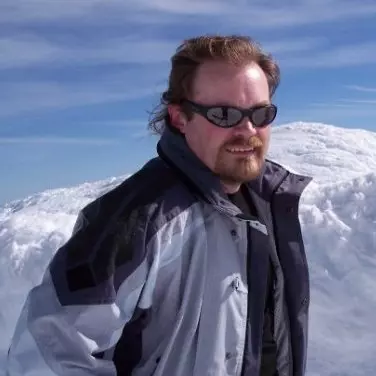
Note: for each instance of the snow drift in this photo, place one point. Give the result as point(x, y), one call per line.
point(338, 215)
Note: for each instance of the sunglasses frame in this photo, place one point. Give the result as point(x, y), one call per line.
point(203, 110)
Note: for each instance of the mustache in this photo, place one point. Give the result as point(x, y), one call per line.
point(253, 142)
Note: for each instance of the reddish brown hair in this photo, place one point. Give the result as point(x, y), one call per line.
point(193, 52)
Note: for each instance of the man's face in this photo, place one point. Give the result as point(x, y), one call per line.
point(235, 154)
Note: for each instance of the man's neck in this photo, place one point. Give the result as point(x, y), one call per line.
point(230, 188)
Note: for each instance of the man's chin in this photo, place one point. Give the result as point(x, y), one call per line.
point(251, 171)
point(241, 170)
point(240, 177)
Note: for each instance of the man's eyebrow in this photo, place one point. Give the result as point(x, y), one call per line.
point(256, 104)
point(220, 103)
point(261, 103)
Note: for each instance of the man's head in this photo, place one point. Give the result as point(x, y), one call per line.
point(211, 79)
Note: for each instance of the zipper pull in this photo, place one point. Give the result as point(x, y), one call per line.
point(236, 284)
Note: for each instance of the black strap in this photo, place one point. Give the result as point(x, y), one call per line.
point(269, 347)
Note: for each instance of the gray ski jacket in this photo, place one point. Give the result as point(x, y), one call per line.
point(164, 276)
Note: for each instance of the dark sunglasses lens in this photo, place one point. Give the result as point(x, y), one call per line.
point(263, 116)
point(224, 117)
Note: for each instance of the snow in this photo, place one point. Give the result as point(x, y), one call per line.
point(338, 218)
point(326, 152)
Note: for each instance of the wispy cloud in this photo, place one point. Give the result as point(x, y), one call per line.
point(22, 51)
point(125, 123)
point(32, 50)
point(344, 103)
point(359, 101)
point(31, 96)
point(363, 89)
point(336, 57)
point(339, 113)
point(99, 33)
point(267, 14)
point(57, 140)
point(142, 135)
point(331, 105)
point(292, 14)
point(135, 81)
point(297, 45)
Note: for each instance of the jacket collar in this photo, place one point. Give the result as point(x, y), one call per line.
point(174, 150)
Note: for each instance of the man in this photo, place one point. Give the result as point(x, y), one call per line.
point(195, 265)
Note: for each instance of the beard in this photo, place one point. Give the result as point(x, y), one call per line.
point(237, 169)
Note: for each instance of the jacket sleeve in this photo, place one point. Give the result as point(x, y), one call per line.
point(90, 290)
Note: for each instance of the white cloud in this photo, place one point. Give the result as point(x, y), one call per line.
point(125, 123)
point(183, 7)
point(339, 113)
point(143, 134)
point(57, 140)
point(336, 57)
point(350, 104)
point(31, 96)
point(25, 51)
point(308, 12)
point(359, 101)
point(364, 89)
point(151, 48)
point(298, 44)
point(151, 56)
point(31, 50)
point(331, 105)
point(41, 10)
point(266, 14)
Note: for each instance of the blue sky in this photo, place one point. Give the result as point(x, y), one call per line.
point(77, 78)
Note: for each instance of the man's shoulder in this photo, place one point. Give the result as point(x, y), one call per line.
point(117, 220)
point(152, 187)
point(143, 187)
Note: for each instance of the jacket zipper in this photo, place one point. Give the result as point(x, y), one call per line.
point(248, 298)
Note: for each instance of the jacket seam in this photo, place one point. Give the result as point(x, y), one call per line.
point(276, 240)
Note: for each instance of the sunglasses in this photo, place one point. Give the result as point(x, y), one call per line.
point(229, 116)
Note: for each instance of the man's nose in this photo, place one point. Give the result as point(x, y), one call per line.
point(246, 127)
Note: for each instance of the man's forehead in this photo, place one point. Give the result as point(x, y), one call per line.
point(222, 83)
point(226, 68)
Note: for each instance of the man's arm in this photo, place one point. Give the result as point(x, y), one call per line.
point(79, 310)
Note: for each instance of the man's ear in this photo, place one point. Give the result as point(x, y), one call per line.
point(177, 117)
